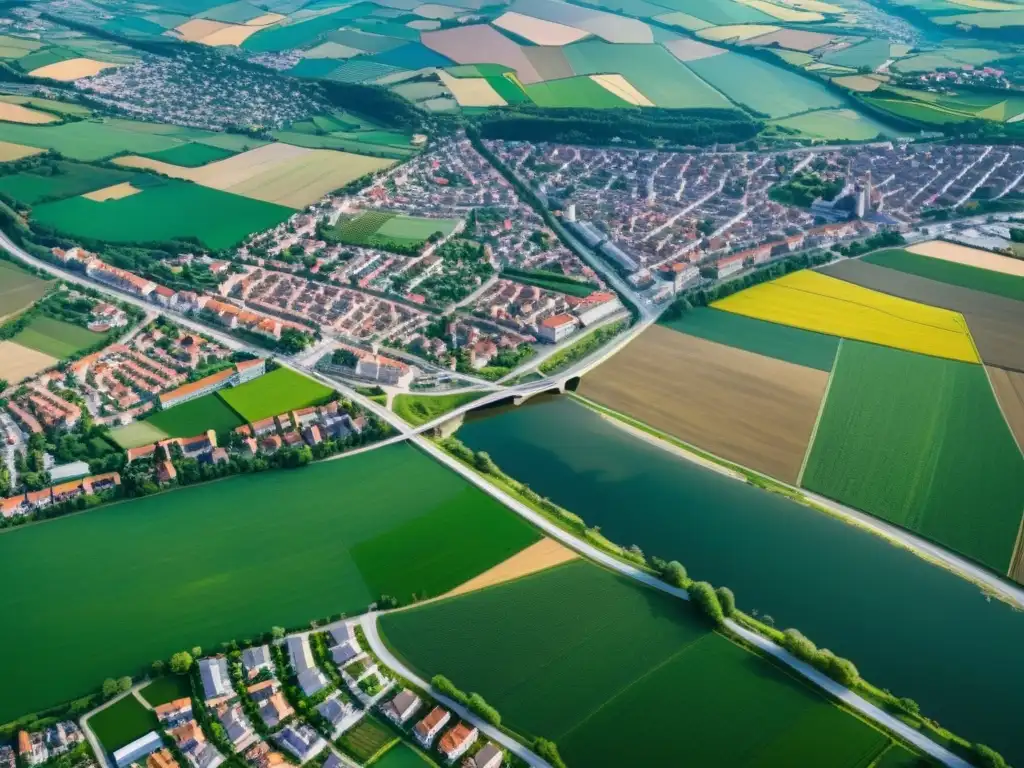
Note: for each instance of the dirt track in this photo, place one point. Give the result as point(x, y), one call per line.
point(995, 322)
point(754, 410)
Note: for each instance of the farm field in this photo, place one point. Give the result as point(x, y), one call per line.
point(55, 337)
point(355, 535)
point(1009, 389)
point(379, 229)
point(545, 554)
point(18, 289)
point(191, 155)
point(835, 125)
point(196, 417)
point(574, 92)
point(754, 410)
point(165, 689)
point(366, 738)
point(16, 113)
point(217, 219)
point(10, 152)
point(419, 409)
point(783, 342)
point(588, 656)
point(47, 105)
point(988, 279)
point(273, 393)
point(816, 302)
point(122, 722)
point(136, 434)
point(275, 173)
point(929, 434)
point(71, 179)
point(994, 322)
point(404, 756)
point(18, 362)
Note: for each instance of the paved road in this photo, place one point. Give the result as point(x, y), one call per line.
point(369, 624)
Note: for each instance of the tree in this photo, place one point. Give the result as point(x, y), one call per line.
point(988, 757)
point(110, 688)
point(547, 750)
point(841, 670)
point(158, 667)
point(196, 652)
point(277, 632)
point(483, 462)
point(486, 711)
point(703, 595)
point(795, 642)
point(124, 684)
point(675, 574)
point(727, 600)
point(181, 663)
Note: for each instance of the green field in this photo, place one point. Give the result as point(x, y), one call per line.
point(984, 280)
point(18, 288)
point(763, 87)
point(246, 553)
point(273, 393)
point(835, 125)
point(136, 434)
point(651, 69)
point(122, 722)
point(920, 441)
point(419, 409)
point(917, 110)
point(404, 756)
point(173, 210)
point(381, 229)
point(71, 179)
point(86, 139)
point(48, 105)
point(870, 53)
point(55, 337)
point(550, 281)
point(191, 155)
point(575, 92)
point(618, 674)
point(368, 737)
point(165, 689)
point(783, 342)
point(195, 417)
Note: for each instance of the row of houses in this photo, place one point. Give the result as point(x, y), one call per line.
point(40, 409)
point(239, 373)
point(346, 360)
point(29, 502)
point(35, 748)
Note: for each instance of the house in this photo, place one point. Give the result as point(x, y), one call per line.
point(8, 759)
point(490, 756)
point(162, 758)
point(138, 749)
point(555, 328)
point(343, 633)
point(335, 711)
point(344, 653)
point(311, 679)
point(431, 725)
point(332, 761)
point(165, 472)
point(255, 660)
point(236, 726)
point(301, 740)
point(174, 712)
point(31, 748)
point(216, 682)
point(457, 740)
point(595, 307)
point(402, 707)
point(275, 709)
point(260, 755)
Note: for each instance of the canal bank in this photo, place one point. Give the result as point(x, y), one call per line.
point(910, 626)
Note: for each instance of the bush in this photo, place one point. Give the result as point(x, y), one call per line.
point(547, 750)
point(446, 687)
point(704, 597)
point(727, 600)
point(181, 663)
point(988, 757)
point(794, 641)
point(478, 705)
point(675, 574)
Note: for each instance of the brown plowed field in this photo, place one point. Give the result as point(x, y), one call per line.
point(1009, 388)
point(995, 322)
point(754, 410)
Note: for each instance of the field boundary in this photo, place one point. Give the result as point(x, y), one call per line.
point(817, 420)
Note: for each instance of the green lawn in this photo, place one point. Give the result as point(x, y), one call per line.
point(419, 409)
point(920, 441)
point(783, 342)
point(274, 393)
point(367, 738)
point(584, 657)
point(18, 289)
point(173, 210)
point(191, 155)
point(985, 280)
point(71, 179)
point(165, 689)
point(246, 553)
point(55, 337)
point(121, 723)
point(195, 417)
point(136, 434)
point(404, 756)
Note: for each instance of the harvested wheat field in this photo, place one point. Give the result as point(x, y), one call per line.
point(18, 362)
point(540, 556)
point(793, 39)
point(16, 113)
point(1009, 389)
point(471, 91)
point(737, 32)
point(859, 83)
point(972, 257)
point(783, 13)
point(275, 173)
point(754, 410)
point(622, 88)
point(195, 30)
point(691, 50)
point(115, 192)
point(994, 321)
point(72, 69)
point(265, 20)
point(539, 31)
point(10, 152)
point(233, 34)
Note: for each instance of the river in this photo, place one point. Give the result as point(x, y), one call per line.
point(909, 626)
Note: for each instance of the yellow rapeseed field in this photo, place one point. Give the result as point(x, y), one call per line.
point(824, 304)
